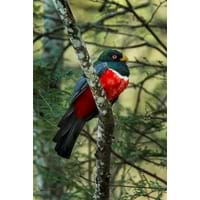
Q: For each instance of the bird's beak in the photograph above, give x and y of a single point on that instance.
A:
(124, 59)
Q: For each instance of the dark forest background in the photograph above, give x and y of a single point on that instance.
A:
(139, 147)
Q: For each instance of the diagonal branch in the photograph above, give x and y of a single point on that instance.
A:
(125, 161)
(131, 9)
(106, 121)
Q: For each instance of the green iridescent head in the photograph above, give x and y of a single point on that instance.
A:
(112, 55)
(116, 61)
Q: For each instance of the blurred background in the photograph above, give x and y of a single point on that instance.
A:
(137, 28)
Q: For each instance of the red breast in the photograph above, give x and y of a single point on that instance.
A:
(113, 84)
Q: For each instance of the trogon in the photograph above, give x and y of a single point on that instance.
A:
(113, 74)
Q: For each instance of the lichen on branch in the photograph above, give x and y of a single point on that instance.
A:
(78, 44)
(106, 120)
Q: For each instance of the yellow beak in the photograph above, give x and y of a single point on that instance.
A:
(124, 59)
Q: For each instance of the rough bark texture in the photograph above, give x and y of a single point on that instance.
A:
(106, 121)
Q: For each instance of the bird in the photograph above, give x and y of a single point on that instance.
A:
(113, 73)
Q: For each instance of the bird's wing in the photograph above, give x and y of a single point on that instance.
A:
(82, 84)
(80, 87)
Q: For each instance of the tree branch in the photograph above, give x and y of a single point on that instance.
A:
(106, 121)
(141, 20)
(125, 161)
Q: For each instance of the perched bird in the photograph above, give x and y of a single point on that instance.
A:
(113, 75)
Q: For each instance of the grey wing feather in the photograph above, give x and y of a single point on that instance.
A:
(82, 84)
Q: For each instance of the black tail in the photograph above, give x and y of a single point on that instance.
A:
(66, 136)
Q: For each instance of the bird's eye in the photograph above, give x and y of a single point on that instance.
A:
(114, 57)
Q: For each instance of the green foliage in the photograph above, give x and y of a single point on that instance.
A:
(140, 113)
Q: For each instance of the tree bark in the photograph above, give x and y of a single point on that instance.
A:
(52, 189)
(106, 120)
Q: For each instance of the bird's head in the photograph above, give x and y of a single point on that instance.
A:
(116, 61)
(112, 55)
